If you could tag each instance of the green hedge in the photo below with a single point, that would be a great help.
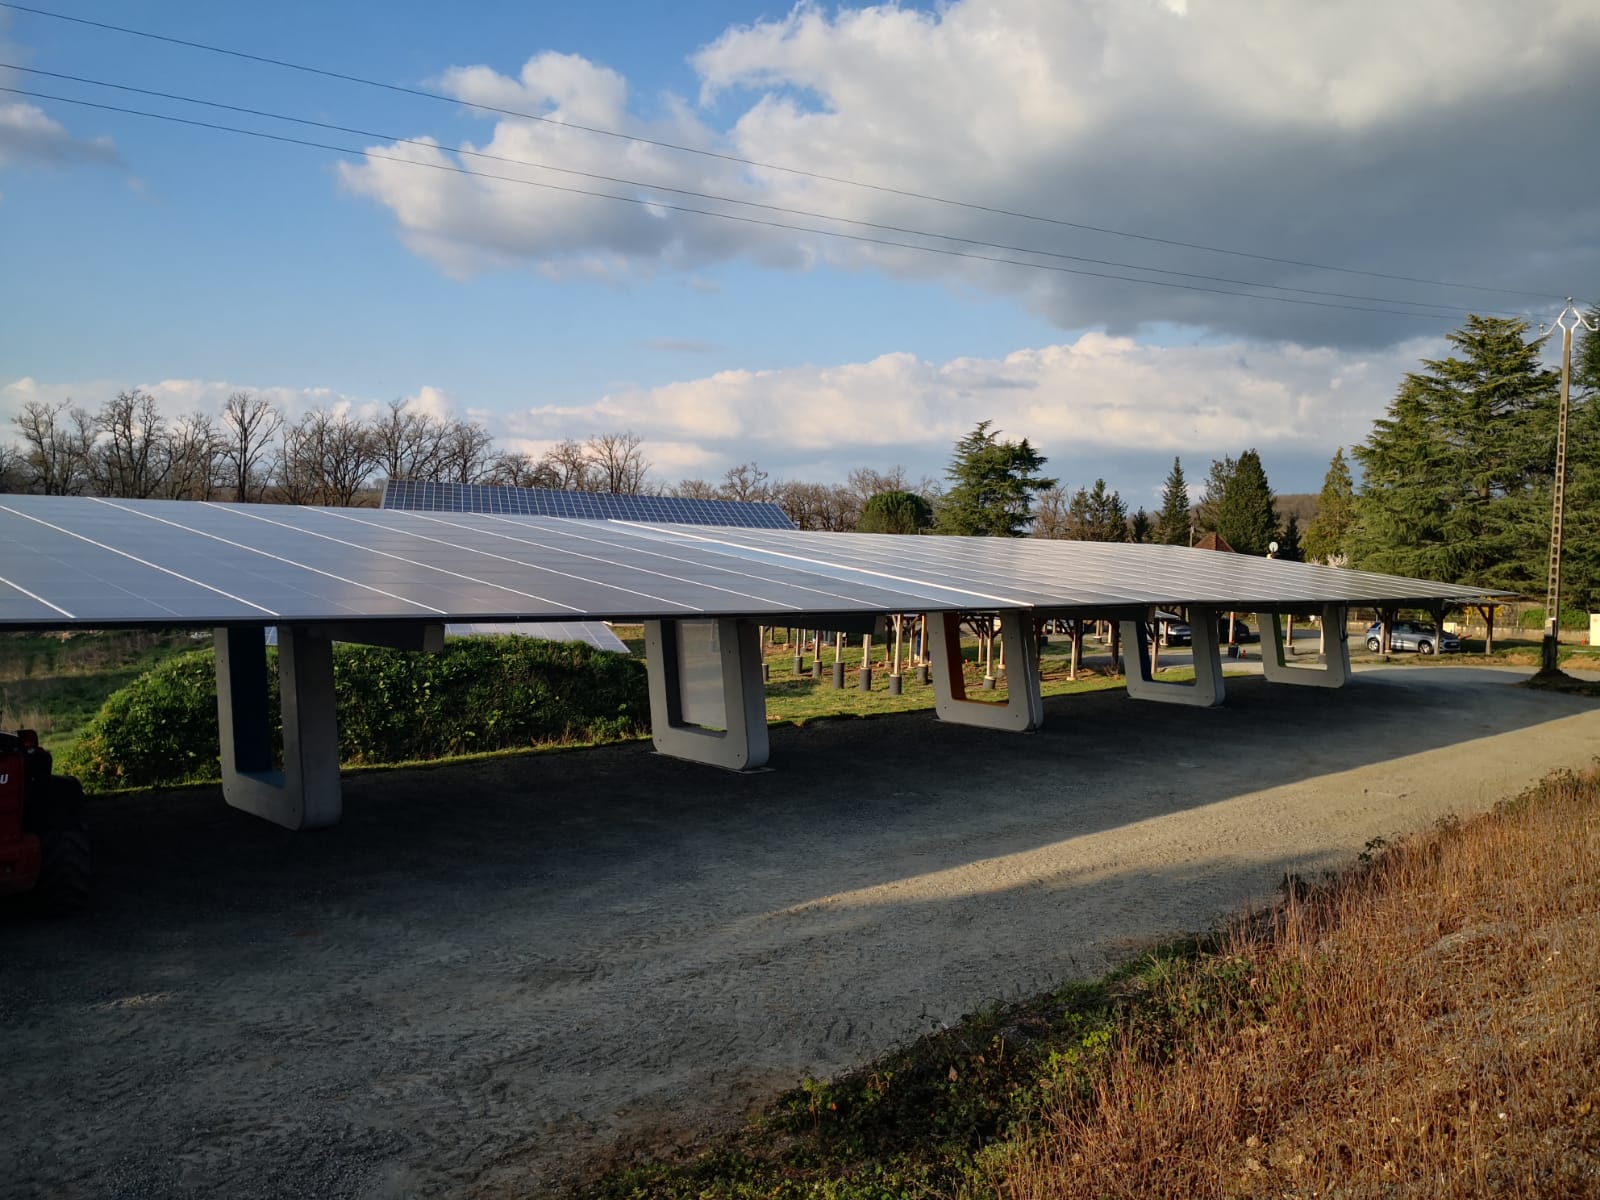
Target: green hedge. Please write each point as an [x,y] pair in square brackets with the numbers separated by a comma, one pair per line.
[1571,618]
[477,694]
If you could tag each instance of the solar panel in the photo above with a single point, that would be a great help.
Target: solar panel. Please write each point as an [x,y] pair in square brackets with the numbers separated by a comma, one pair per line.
[75,561]
[426,496]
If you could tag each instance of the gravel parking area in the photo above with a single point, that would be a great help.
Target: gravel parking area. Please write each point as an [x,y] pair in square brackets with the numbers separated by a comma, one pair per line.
[495,974]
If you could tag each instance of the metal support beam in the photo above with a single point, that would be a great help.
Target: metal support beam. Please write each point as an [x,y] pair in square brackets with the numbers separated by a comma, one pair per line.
[1024,707]
[707,703]
[1335,669]
[1207,689]
[305,793]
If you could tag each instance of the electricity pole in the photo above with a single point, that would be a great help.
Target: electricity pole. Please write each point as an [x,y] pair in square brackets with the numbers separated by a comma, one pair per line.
[1569,320]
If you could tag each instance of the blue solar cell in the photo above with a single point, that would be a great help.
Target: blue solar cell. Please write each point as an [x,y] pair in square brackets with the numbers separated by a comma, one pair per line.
[427,496]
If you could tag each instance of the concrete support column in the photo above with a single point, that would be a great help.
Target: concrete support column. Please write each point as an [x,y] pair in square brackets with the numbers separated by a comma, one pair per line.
[1024,707]
[707,703]
[1335,670]
[305,794]
[1206,691]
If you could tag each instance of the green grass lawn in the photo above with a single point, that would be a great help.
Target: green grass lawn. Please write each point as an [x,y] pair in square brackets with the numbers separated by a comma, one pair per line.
[55,683]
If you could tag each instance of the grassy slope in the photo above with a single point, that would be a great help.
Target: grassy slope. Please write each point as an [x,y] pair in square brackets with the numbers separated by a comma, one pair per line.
[55,683]
[1425,1025]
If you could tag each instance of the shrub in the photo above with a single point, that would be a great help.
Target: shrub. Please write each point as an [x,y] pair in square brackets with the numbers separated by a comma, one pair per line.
[160,729]
[477,694]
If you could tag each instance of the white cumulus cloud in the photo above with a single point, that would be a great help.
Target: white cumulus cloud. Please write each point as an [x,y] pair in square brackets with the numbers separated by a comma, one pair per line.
[1404,139]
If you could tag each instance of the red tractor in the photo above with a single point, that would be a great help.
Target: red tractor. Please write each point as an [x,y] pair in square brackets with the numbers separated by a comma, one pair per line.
[44,839]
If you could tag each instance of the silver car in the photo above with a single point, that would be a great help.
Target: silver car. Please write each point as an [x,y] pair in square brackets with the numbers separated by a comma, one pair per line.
[1420,636]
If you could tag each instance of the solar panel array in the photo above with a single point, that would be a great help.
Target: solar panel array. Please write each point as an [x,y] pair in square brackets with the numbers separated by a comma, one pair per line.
[76,561]
[424,496]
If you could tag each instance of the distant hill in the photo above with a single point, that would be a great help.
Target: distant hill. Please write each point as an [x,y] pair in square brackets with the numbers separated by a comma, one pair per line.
[1302,504]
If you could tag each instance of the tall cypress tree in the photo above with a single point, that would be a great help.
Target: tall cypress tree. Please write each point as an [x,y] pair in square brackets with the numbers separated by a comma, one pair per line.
[1172,523]
[1247,514]
[1336,512]
[1457,474]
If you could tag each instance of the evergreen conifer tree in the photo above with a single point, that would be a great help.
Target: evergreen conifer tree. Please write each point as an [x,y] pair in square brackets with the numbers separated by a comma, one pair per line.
[1246,515]
[1336,512]
[992,484]
[1222,470]
[895,512]
[1289,547]
[1173,522]
[1097,515]
[1456,476]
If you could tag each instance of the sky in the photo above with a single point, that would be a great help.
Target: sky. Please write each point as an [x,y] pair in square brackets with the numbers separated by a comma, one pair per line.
[1439,154]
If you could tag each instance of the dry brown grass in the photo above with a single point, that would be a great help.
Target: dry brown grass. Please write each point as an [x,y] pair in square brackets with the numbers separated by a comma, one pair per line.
[1428,1026]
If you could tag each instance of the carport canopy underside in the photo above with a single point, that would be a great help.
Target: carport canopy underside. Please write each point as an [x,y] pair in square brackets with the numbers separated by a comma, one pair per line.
[396,578]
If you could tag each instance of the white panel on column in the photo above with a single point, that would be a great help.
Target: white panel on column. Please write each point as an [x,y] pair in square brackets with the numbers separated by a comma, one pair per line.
[305,794]
[1207,689]
[1335,669]
[1024,707]
[726,729]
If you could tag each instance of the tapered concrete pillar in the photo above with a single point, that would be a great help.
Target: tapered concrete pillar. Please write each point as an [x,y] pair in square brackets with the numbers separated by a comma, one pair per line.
[1024,707]
[1207,689]
[1335,669]
[707,703]
[305,793]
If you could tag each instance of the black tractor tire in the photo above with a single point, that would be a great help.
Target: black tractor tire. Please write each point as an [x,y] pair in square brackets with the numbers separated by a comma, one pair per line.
[66,874]
[66,877]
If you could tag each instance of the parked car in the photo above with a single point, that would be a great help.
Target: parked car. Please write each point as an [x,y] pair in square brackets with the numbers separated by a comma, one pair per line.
[1421,636]
[1174,630]
[1241,632]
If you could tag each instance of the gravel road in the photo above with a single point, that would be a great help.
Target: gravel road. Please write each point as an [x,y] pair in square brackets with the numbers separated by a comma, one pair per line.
[492,975]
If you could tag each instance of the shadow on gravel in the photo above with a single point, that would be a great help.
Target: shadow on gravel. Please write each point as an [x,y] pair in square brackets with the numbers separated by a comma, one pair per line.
[490,970]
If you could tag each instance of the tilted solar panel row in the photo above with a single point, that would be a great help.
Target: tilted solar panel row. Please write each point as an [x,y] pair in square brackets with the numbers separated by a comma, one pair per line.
[416,495]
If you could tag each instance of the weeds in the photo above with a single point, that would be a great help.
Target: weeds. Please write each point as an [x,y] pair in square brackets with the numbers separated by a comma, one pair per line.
[1425,1024]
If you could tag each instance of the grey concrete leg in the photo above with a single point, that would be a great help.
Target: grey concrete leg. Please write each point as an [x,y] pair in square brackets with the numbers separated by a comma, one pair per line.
[305,794]
[706,699]
[1206,691]
[1335,671]
[1024,707]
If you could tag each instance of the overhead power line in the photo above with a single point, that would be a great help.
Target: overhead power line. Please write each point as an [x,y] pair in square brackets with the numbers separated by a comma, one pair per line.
[1440,309]
[676,147]
[650,202]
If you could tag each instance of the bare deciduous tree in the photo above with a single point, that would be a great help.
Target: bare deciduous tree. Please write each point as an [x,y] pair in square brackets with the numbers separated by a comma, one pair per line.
[130,456]
[515,469]
[195,459]
[411,445]
[693,489]
[466,453]
[13,470]
[325,459]
[249,423]
[569,464]
[746,482]
[1052,513]
[56,442]
[617,463]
